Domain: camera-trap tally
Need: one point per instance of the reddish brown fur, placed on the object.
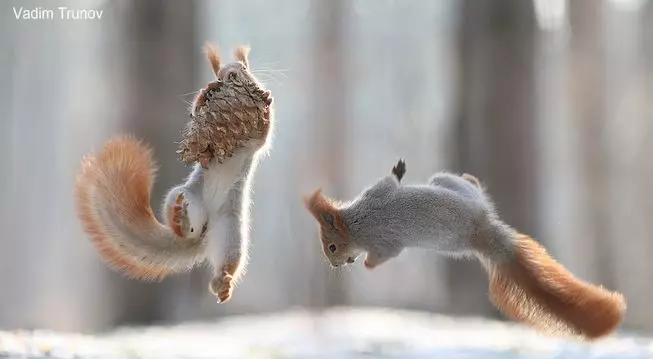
(115, 151)
(539, 291)
(127, 152)
(319, 204)
(232, 268)
(241, 54)
(214, 57)
(222, 286)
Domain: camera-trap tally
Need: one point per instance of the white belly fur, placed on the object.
(218, 179)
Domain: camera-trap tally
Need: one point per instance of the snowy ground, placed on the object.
(338, 333)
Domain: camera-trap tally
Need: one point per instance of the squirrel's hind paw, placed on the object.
(222, 287)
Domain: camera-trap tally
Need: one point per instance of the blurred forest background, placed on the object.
(549, 102)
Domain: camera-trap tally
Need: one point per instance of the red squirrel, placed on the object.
(206, 217)
(454, 216)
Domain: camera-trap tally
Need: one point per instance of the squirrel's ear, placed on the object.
(324, 210)
(311, 202)
(241, 54)
(214, 56)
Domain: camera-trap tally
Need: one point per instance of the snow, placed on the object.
(335, 333)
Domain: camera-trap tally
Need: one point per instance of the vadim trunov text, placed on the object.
(58, 13)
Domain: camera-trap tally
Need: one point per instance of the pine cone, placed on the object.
(233, 114)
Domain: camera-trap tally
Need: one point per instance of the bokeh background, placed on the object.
(548, 102)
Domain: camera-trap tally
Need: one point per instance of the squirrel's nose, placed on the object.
(350, 260)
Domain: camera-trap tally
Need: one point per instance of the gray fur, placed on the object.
(449, 215)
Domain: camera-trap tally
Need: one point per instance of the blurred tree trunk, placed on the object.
(563, 219)
(329, 119)
(627, 116)
(44, 262)
(495, 117)
(586, 80)
(160, 48)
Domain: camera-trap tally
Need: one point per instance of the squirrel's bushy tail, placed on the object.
(112, 196)
(534, 289)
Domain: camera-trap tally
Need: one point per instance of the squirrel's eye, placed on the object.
(192, 230)
(332, 248)
(232, 75)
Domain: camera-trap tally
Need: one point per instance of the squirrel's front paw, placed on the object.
(178, 216)
(373, 260)
(369, 265)
(186, 217)
(222, 287)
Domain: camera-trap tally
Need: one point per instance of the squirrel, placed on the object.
(453, 215)
(206, 217)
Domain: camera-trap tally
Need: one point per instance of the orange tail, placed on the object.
(112, 197)
(109, 252)
(535, 289)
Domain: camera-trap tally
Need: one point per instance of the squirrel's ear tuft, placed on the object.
(213, 55)
(318, 204)
(311, 202)
(241, 54)
(324, 210)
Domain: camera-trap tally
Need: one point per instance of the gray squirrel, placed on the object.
(454, 215)
(206, 217)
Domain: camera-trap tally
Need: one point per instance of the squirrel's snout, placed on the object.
(340, 263)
